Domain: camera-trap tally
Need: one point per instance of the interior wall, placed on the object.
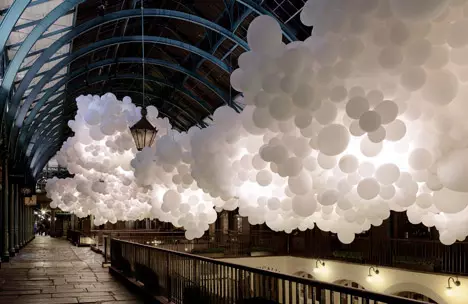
(390, 280)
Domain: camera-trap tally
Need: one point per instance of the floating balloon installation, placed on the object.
(363, 117)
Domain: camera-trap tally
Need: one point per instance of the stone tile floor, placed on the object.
(50, 270)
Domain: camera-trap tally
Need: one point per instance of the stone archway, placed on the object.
(415, 289)
(415, 296)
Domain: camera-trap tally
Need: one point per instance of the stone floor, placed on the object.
(50, 270)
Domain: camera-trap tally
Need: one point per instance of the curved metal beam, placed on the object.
(40, 161)
(46, 139)
(157, 62)
(90, 48)
(10, 19)
(31, 119)
(160, 81)
(149, 79)
(56, 14)
(262, 11)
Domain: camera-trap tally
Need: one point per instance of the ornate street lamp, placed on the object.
(143, 131)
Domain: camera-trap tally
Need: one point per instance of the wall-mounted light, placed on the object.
(449, 289)
(319, 266)
(373, 274)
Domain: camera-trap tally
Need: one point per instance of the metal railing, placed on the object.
(413, 254)
(78, 238)
(221, 243)
(186, 278)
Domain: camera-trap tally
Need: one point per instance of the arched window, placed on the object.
(310, 291)
(348, 299)
(415, 296)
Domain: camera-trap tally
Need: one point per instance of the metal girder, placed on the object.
(8, 22)
(100, 44)
(56, 14)
(34, 35)
(46, 156)
(158, 62)
(150, 79)
(220, 41)
(45, 142)
(32, 3)
(42, 144)
(287, 32)
(52, 90)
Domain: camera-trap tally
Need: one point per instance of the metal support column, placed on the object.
(6, 204)
(16, 214)
(11, 224)
(21, 221)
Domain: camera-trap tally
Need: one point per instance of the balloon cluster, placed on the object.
(363, 117)
(99, 156)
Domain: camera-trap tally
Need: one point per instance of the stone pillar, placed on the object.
(31, 220)
(16, 214)
(6, 213)
(20, 220)
(11, 224)
(23, 221)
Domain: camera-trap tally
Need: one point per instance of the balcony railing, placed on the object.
(185, 278)
(414, 254)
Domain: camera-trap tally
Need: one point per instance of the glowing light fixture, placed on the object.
(373, 274)
(449, 290)
(319, 266)
(143, 132)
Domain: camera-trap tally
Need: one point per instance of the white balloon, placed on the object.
(264, 35)
(333, 139)
(370, 121)
(452, 172)
(387, 174)
(368, 188)
(349, 163)
(357, 106)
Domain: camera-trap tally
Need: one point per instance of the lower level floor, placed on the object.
(50, 270)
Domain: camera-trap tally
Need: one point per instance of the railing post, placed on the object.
(105, 249)
(168, 276)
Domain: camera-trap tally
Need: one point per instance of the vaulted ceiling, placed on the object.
(55, 51)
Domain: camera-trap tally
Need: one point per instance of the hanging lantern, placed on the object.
(143, 132)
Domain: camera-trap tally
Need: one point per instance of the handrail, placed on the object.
(319, 284)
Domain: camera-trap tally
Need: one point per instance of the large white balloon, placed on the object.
(333, 139)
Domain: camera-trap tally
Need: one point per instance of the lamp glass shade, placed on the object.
(143, 133)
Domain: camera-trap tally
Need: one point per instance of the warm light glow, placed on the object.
(337, 131)
(449, 291)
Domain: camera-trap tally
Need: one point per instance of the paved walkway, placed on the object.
(52, 270)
